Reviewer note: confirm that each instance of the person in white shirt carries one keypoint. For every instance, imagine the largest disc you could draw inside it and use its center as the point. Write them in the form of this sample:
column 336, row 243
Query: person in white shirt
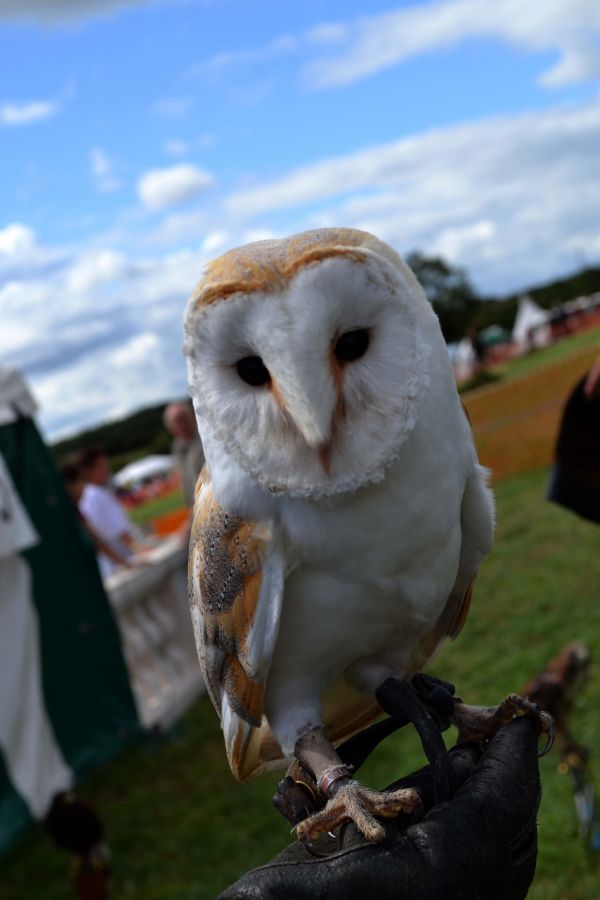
column 75, row 486
column 102, row 510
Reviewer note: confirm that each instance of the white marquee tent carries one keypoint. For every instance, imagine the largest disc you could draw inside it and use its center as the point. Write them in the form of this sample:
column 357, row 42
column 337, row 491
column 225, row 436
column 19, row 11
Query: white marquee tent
column 138, row 471
column 531, row 328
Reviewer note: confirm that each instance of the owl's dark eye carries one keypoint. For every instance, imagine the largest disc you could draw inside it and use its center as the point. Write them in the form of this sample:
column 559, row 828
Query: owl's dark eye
column 352, row 345
column 253, row 371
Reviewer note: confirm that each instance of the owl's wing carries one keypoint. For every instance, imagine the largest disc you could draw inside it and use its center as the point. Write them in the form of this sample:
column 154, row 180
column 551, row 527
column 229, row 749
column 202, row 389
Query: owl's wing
column 477, row 524
column 236, row 586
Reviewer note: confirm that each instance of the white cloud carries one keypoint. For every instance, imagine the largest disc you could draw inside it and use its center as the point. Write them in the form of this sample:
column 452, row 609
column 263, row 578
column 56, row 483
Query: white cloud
column 373, row 43
column 332, row 33
column 259, row 234
column 580, row 61
column 93, row 269
column 174, row 107
column 215, row 242
column 13, row 115
column 466, row 240
column 176, row 147
column 186, row 228
column 16, row 239
column 99, row 386
column 440, row 164
column 112, row 343
column 161, row 282
column 585, row 246
column 54, row 11
column 19, row 335
column 161, row 188
column 220, row 62
column 102, row 168
column 22, row 256
column 501, row 196
column 139, row 350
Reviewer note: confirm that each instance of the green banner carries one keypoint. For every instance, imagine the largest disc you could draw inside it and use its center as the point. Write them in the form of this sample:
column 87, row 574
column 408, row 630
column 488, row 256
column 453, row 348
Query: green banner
column 85, row 682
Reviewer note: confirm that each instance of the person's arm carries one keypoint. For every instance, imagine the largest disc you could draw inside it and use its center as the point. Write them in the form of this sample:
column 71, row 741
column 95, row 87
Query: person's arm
column 130, row 542
column 111, row 521
column 102, row 546
column 591, row 388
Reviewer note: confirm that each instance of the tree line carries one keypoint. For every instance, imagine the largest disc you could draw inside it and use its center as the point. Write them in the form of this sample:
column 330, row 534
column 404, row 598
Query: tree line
column 459, row 307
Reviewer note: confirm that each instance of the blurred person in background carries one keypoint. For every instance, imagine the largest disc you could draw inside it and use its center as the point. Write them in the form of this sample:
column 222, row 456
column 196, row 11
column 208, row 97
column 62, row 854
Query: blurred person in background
column 180, row 421
column 75, row 484
column 575, row 476
column 103, row 512
column 591, row 388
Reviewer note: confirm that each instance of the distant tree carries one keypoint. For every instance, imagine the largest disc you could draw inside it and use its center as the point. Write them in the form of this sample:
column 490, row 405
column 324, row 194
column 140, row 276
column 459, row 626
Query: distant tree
column 503, row 310
column 581, row 284
column 449, row 291
column 496, row 312
column 139, row 434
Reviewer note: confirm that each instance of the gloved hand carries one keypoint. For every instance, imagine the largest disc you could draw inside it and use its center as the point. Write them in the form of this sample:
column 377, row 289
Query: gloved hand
column 480, row 845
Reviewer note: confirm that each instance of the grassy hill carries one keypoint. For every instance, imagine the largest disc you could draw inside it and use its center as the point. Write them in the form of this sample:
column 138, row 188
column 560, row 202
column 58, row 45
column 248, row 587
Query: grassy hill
column 515, row 419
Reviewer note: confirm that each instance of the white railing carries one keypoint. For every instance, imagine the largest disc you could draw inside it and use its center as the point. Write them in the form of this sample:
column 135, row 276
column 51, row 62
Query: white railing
column 151, row 608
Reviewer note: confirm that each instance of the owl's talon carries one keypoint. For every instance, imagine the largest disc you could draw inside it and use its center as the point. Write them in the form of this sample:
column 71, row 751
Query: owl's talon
column 550, row 735
column 525, row 707
column 477, row 723
column 355, row 803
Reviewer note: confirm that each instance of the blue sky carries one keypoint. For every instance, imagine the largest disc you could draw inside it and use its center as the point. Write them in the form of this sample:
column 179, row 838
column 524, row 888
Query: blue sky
column 142, row 137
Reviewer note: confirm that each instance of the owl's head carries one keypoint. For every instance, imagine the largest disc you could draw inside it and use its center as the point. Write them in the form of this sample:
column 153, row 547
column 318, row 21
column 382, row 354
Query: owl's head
column 307, row 358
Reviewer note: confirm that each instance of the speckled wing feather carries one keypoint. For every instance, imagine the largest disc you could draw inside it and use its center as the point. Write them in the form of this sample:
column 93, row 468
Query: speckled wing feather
column 236, row 587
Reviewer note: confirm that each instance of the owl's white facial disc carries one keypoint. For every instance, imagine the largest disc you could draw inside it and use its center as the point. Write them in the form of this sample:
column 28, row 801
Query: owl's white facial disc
column 316, row 423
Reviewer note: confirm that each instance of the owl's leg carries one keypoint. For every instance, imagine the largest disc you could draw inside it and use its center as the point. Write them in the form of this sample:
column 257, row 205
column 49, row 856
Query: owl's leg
column 347, row 800
column 298, row 795
column 480, row 723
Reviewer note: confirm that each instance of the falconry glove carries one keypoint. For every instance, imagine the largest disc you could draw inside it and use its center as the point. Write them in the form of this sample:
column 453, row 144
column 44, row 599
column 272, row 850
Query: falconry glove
column 481, row 844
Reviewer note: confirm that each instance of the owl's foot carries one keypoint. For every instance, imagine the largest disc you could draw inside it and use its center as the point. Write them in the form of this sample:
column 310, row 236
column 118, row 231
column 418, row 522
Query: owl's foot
column 480, row 723
column 354, row 803
column 346, row 799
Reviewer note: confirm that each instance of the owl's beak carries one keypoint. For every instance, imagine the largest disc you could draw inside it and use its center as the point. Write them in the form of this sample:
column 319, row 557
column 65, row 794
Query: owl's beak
column 310, row 414
column 309, row 401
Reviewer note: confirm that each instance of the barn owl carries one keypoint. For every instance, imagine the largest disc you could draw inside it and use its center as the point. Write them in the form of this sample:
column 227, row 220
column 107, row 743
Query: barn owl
column 342, row 515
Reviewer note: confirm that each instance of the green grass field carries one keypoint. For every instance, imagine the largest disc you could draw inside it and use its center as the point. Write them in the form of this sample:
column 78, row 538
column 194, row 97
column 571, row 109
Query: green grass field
column 530, row 361
column 180, row 827
column 145, row 512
